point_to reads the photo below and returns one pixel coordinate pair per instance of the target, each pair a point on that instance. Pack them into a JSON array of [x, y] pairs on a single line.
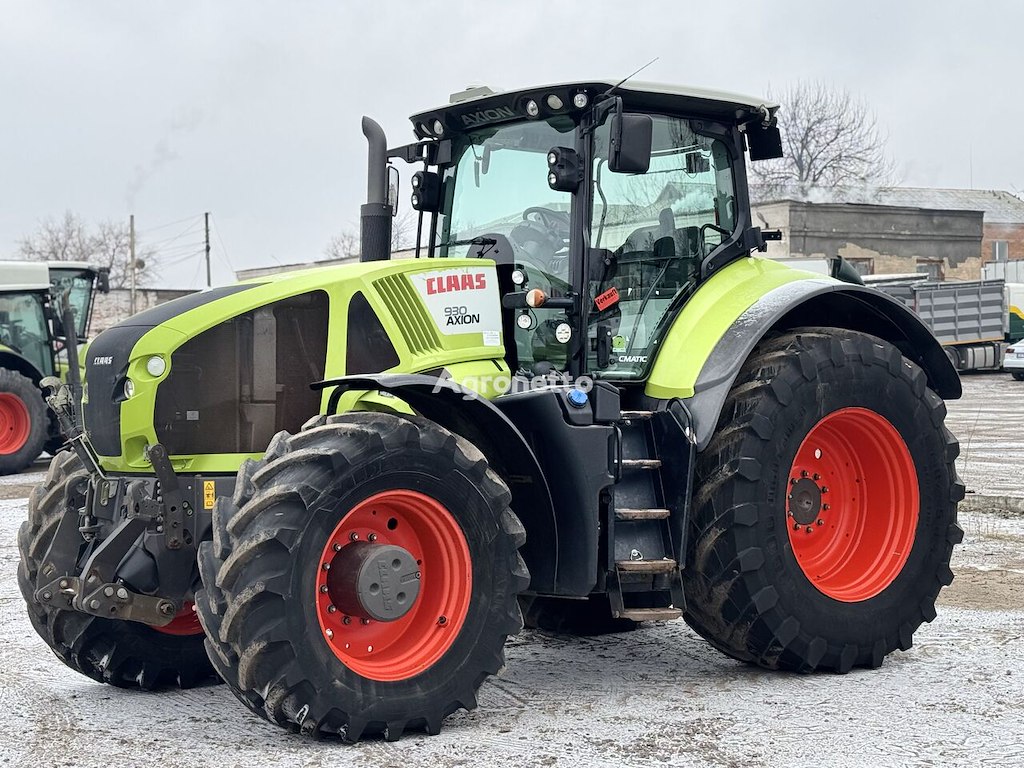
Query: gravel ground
[[989, 422], [658, 695]]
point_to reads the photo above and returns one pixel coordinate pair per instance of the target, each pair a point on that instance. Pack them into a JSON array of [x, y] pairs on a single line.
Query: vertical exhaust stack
[[375, 215]]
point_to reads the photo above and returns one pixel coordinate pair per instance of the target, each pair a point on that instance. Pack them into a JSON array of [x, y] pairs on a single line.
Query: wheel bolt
[[816, 476], [337, 547], [442, 620], [820, 521], [327, 566], [809, 529], [330, 633], [796, 526], [824, 489], [792, 481], [803, 473], [347, 620], [331, 609], [323, 588], [789, 514], [353, 536], [825, 507], [364, 622], [372, 537]]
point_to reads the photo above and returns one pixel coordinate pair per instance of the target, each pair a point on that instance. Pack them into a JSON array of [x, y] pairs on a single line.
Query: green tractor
[[38, 301], [587, 402]]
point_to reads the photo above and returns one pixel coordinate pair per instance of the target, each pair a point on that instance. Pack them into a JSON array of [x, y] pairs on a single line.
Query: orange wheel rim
[[404, 647], [852, 504], [185, 622], [15, 423]]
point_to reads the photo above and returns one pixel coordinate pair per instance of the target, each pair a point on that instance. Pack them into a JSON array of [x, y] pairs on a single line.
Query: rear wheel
[[826, 512], [23, 422], [363, 578], [123, 653]]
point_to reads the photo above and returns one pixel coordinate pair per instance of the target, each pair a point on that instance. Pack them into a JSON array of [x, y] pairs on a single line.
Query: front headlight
[[156, 366], [129, 389]]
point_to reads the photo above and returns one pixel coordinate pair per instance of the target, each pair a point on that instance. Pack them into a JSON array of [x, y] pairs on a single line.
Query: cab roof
[[20, 276], [478, 106]]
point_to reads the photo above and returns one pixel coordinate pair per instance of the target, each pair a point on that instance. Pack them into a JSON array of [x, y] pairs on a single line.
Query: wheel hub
[[374, 581], [804, 501]]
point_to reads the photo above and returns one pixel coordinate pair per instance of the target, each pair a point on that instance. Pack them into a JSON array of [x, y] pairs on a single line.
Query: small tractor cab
[[38, 302], [588, 403]]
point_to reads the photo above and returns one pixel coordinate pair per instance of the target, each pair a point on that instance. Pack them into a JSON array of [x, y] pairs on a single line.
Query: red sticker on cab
[[606, 299]]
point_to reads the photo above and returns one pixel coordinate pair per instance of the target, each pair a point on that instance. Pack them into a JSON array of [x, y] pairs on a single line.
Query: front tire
[[297, 647], [1017, 375], [125, 654], [23, 422], [825, 515]]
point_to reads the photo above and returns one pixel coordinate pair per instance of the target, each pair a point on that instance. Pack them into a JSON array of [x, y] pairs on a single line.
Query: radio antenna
[[615, 87]]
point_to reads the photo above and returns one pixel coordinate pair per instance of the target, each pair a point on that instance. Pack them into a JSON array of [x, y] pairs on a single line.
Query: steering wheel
[[555, 222]]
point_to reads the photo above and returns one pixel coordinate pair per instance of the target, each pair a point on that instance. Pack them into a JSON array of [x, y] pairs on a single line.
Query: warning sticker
[[462, 300], [209, 493]]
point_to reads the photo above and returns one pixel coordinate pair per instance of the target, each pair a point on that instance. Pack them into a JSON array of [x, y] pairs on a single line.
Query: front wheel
[[23, 422], [1017, 375], [825, 514], [363, 578]]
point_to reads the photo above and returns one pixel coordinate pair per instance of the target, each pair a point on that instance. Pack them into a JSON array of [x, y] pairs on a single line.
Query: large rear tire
[[126, 654], [293, 643], [23, 422], [825, 512]]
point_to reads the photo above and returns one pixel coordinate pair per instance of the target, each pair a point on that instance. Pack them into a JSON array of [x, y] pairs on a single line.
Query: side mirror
[[630, 148], [764, 143], [103, 280], [393, 180]]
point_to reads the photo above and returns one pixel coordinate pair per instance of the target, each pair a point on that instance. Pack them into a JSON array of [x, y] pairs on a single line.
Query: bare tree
[[345, 244], [69, 239], [830, 138]]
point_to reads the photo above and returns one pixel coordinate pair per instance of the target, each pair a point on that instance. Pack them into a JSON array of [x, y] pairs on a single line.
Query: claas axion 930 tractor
[[587, 401]]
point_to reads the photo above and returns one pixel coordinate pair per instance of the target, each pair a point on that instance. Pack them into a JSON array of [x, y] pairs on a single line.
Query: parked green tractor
[[38, 301], [588, 400]]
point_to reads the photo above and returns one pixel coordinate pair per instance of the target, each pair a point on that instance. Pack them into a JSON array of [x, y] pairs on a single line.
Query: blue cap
[[577, 397]]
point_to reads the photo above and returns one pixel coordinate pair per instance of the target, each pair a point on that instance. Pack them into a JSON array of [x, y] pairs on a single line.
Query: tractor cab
[[603, 207]]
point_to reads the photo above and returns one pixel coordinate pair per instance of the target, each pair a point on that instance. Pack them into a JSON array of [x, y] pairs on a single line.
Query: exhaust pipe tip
[[375, 215]]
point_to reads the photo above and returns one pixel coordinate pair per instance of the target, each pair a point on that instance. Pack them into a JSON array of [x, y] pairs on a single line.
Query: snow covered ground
[[660, 695], [656, 696]]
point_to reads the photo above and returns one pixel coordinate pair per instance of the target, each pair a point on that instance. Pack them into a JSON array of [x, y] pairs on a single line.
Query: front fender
[[705, 349], [475, 418]]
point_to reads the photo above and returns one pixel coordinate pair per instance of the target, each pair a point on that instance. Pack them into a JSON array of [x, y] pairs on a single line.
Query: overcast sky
[[251, 110]]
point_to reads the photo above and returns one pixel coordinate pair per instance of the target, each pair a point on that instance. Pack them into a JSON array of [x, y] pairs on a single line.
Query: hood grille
[[412, 319]]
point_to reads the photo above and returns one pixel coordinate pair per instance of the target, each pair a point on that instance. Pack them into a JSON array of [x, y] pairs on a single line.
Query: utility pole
[[131, 263], [206, 221]]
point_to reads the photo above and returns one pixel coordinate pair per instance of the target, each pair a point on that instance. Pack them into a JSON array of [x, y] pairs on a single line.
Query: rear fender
[[806, 300]]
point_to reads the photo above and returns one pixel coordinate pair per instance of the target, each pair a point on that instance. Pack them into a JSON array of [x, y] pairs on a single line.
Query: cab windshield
[[23, 328], [75, 287], [498, 205]]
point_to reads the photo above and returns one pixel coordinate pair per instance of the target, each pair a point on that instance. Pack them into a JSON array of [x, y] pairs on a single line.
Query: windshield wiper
[[473, 241]]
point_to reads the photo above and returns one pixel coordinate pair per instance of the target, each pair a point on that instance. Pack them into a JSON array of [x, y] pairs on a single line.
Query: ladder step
[[639, 415], [642, 463], [641, 514], [647, 566], [650, 614]]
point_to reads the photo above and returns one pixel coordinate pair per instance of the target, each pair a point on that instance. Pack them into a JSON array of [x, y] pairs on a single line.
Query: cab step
[[636, 415], [641, 463], [626, 514], [650, 614], [647, 566]]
